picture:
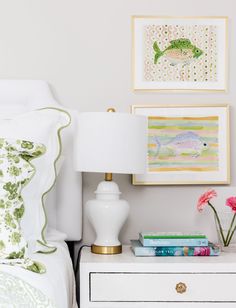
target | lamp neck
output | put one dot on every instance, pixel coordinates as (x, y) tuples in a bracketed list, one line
[(108, 177)]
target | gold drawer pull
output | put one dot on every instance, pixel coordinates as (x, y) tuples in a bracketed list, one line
[(181, 287)]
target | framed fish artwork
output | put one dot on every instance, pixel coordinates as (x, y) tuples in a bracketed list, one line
[(179, 53), (187, 144)]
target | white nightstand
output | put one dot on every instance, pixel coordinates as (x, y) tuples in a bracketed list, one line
[(126, 281)]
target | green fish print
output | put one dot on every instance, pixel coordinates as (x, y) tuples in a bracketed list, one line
[(180, 51)]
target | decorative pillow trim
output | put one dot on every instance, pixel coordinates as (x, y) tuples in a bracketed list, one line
[(48, 248), (43, 246)]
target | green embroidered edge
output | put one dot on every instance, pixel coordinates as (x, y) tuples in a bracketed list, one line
[(43, 242)]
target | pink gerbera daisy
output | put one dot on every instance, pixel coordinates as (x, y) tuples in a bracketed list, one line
[(231, 202), (205, 198)]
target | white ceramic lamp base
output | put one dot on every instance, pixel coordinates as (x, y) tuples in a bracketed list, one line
[(107, 214)]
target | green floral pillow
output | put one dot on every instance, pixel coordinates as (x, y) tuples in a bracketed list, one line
[(44, 126), (16, 171)]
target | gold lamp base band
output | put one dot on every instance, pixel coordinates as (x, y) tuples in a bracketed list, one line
[(106, 250)]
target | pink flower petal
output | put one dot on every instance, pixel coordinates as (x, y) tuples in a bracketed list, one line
[(203, 200), (231, 202)]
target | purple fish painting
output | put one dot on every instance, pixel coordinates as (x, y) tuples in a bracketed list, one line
[(183, 144), (187, 143)]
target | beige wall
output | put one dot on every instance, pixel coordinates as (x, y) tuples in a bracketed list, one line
[(83, 48)]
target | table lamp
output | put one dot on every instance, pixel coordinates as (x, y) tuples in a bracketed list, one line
[(109, 142)]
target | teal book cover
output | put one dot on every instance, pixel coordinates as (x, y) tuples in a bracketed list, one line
[(141, 251)]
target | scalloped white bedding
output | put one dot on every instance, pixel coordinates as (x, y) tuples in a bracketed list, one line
[(55, 288), (24, 111)]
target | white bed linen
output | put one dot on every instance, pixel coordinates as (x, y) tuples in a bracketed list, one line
[(58, 283)]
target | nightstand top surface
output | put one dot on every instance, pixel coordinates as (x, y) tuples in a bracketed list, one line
[(224, 262)]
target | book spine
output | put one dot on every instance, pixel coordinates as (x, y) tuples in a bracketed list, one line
[(173, 242), (175, 251)]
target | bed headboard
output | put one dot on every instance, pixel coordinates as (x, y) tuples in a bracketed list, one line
[(64, 203)]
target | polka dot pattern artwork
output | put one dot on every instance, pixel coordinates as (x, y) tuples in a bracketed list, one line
[(200, 69), (180, 53)]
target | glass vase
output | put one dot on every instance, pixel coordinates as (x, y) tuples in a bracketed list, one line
[(227, 222)]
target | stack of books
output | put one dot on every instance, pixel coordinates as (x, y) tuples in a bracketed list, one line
[(173, 244)]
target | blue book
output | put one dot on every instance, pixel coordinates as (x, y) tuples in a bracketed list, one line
[(170, 242), (141, 251)]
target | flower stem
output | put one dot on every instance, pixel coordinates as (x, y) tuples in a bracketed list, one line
[(229, 236), (218, 221)]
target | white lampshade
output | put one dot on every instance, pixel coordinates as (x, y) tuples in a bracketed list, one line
[(111, 142)]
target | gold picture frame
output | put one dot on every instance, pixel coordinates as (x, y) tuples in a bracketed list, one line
[(187, 144), (180, 54)]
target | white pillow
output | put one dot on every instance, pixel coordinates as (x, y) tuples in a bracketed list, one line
[(39, 126)]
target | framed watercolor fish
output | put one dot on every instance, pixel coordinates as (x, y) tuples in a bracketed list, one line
[(180, 51), (184, 144)]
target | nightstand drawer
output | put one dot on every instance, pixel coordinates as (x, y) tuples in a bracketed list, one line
[(162, 287)]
